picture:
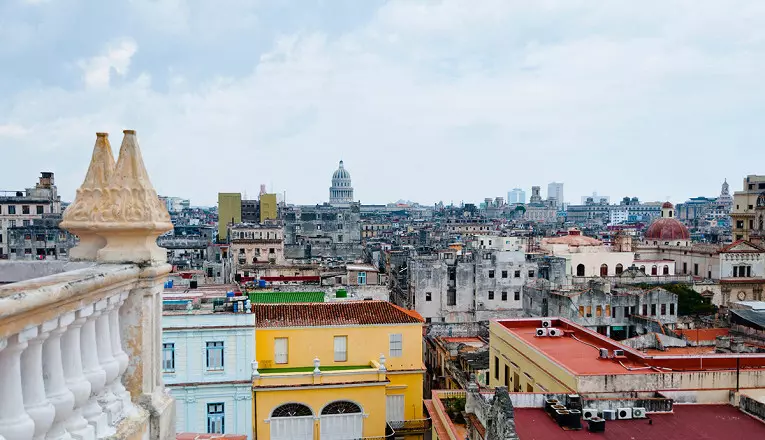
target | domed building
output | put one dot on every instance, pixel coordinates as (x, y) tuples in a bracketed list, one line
[(667, 230), (341, 191)]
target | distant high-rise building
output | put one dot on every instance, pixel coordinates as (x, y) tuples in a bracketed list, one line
[(596, 199), (555, 193), (268, 207), (229, 211), (516, 195)]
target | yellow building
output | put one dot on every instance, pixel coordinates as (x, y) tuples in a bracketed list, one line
[(229, 212), (268, 207), (337, 370)]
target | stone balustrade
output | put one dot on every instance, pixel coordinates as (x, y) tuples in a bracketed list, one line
[(80, 350)]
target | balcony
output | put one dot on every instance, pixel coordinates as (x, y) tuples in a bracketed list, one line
[(410, 427), (80, 349)]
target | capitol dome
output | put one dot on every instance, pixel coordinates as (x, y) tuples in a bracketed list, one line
[(667, 229), (341, 191)]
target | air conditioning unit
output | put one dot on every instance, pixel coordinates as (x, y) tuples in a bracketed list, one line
[(555, 332), (596, 424), (541, 332), (589, 413), (603, 353), (623, 413), (618, 353), (547, 323), (609, 414), (638, 413)]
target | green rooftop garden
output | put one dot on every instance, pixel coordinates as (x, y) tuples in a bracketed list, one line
[(285, 297), (310, 369)]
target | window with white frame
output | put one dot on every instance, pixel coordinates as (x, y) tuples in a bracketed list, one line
[(341, 348), (281, 350), (216, 418), (362, 278), (396, 347), (168, 356), (215, 355)]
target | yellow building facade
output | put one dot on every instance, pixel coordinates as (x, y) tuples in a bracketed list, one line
[(337, 371), (268, 207), (229, 212)]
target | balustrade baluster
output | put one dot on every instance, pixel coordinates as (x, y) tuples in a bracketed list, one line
[(36, 403), (108, 400), (94, 373), (15, 423), (119, 354), (77, 425), (55, 384)]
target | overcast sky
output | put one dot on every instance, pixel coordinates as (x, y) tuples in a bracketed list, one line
[(423, 100)]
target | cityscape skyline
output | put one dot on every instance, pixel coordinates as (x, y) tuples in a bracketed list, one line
[(220, 102)]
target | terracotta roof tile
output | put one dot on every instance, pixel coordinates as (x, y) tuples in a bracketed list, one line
[(333, 313)]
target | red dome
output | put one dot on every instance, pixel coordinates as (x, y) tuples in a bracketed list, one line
[(667, 229), (667, 205)]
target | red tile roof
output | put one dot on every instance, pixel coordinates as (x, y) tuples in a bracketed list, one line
[(692, 422), (332, 313)]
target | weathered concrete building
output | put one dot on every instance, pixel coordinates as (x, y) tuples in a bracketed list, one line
[(485, 284), (255, 245), (188, 247), (617, 312), (322, 231), (20, 208), (42, 239)]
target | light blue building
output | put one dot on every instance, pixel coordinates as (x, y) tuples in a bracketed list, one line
[(206, 363)]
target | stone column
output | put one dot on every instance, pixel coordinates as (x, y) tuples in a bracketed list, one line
[(55, 384), (76, 381), (15, 423), (36, 402)]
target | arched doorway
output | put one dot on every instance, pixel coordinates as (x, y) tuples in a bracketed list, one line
[(580, 270), (292, 421), (341, 420), (665, 271), (619, 269), (604, 270), (654, 270)]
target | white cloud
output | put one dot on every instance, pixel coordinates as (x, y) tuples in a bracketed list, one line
[(12, 130), (97, 71)]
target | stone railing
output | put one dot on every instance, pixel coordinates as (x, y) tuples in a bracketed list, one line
[(80, 349)]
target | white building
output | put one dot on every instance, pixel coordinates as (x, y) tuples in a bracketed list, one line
[(341, 191), (206, 365), (516, 195), (555, 193), (618, 215)]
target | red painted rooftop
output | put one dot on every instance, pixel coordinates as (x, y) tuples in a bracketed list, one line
[(691, 422), (332, 313), (577, 351)]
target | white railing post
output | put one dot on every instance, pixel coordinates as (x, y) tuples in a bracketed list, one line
[(107, 399), (77, 425), (55, 384), (93, 372), (15, 423), (36, 402), (119, 354)]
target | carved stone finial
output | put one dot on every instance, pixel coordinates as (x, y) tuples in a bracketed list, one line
[(80, 218), (132, 216)]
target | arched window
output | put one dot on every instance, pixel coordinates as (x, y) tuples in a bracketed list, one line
[(292, 410), (654, 270), (604, 270), (642, 269), (619, 269), (665, 271), (341, 407), (580, 270)]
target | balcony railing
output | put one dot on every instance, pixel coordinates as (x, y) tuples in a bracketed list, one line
[(407, 427), (317, 375), (80, 350)]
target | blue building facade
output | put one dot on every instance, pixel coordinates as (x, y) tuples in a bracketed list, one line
[(206, 364)]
